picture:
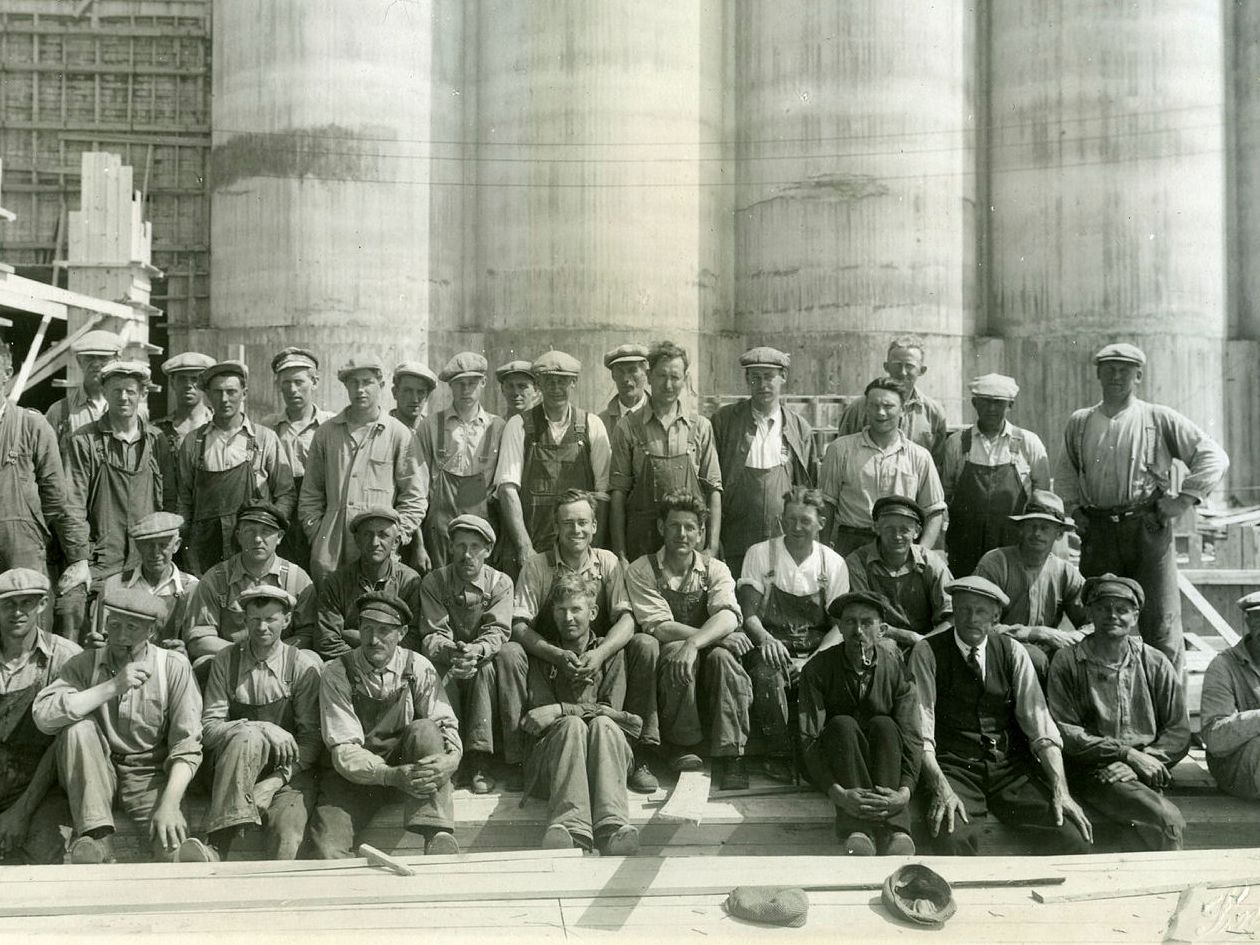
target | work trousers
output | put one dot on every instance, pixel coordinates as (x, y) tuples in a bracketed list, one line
[(581, 766), (1238, 773), (774, 702), (717, 699), (44, 844), (1150, 820), (641, 656), (1140, 549), (1014, 793), (93, 781), (234, 798), (344, 808), (852, 756), (475, 702)]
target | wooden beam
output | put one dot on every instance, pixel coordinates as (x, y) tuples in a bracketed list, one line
[(1207, 611), (1155, 889), (686, 802), (28, 364), (1220, 576), (42, 291)]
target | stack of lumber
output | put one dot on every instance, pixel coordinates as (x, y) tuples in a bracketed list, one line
[(562, 896)]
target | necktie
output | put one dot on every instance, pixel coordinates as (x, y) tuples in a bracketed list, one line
[(973, 663)]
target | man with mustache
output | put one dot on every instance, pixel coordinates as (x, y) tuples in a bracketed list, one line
[(628, 365)]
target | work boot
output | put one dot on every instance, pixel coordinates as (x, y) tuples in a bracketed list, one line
[(898, 843), (92, 849), (193, 850), (441, 843), (732, 774), (641, 779), (859, 844), (779, 769), (624, 841), (557, 837), (682, 759), (480, 781), (514, 780)]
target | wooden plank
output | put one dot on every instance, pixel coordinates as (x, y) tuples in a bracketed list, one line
[(28, 363), (1208, 612), (1152, 889), (1222, 576), (689, 798), (29, 288)]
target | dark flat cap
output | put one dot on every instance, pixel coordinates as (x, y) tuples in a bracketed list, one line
[(265, 514), (1112, 585), (898, 505), (836, 608), (384, 608)]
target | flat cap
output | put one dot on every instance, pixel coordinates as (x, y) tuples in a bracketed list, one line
[(137, 369), (220, 368), (995, 387), (97, 342), (623, 353), (361, 362), (464, 364), (156, 525), (1044, 506), (836, 608), (557, 362), (766, 357), (385, 608), (266, 592), (294, 357), (263, 513), (22, 582), (376, 511), (1121, 352), (898, 505), (416, 369), (1245, 603), (133, 601), (473, 523), (974, 584), (514, 367), (187, 361), (1112, 585)]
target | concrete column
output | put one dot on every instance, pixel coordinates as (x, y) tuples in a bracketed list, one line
[(854, 214), (1108, 200)]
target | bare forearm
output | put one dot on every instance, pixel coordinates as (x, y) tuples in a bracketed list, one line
[(715, 520), (932, 530), (617, 637), (177, 781), (510, 499), (1051, 759), (534, 644)]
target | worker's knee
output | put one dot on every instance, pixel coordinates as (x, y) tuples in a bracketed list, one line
[(512, 656), (421, 738)]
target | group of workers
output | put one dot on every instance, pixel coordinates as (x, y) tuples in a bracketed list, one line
[(348, 610)]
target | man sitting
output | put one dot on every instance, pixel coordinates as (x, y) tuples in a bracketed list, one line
[(32, 808), (583, 753), (128, 716), (1122, 712), (377, 535), (984, 722), (686, 600), (466, 609), (392, 735), (261, 721), (861, 730), (1230, 709)]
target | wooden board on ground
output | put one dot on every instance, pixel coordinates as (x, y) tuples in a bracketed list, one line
[(689, 798)]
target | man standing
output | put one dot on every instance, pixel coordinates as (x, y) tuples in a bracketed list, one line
[(686, 599), (392, 735), (460, 448), (414, 383), (128, 717), (261, 723), (1230, 709), (225, 465), (988, 472), (546, 451), (861, 731), (984, 722), (879, 461), (85, 403), (360, 459), (658, 450), (516, 384), (1122, 712), (375, 570), (764, 450), (1114, 476), (182, 373), (922, 419), (628, 365), (296, 371), (32, 808)]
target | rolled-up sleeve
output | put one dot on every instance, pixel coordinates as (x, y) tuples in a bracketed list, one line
[(511, 454), (343, 732), (1207, 461), (649, 606), (205, 611), (756, 568), (1031, 710), (618, 597), (721, 589), (183, 733), (930, 495), (708, 470), (923, 671), (216, 728), (531, 588), (601, 451), (49, 711)]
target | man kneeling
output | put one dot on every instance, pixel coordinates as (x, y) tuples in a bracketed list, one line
[(392, 734), (583, 754), (261, 721)]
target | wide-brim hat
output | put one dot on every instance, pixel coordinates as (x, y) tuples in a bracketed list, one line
[(1044, 506)]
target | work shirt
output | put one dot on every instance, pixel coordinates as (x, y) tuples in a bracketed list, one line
[(176, 430), (42, 661), (766, 449), (215, 610), (413, 427), (33, 483), (646, 433), (175, 586), (538, 575), (922, 421), (1041, 596), (930, 565), (225, 450), (1230, 705), (491, 590), (856, 472), (342, 729), (75, 410), (1030, 705), (466, 437), (831, 686), (160, 718), (261, 682), (1010, 446), (651, 609), (512, 449), (769, 563), (338, 608), (602, 693), (1127, 459), (1104, 710), (295, 435), (611, 414)]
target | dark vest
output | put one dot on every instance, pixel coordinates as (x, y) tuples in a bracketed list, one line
[(973, 721)]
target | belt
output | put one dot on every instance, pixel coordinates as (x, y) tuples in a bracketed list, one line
[(1120, 513)]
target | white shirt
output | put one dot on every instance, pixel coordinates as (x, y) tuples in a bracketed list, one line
[(768, 562), (766, 450), (512, 449), (981, 653)]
